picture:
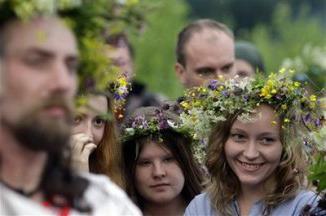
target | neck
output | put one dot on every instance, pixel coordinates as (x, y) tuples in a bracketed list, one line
[(20, 168), (248, 196), (175, 207)]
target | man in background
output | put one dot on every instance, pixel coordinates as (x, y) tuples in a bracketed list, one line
[(204, 51), (122, 55)]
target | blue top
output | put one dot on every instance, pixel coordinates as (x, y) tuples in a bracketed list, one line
[(201, 205)]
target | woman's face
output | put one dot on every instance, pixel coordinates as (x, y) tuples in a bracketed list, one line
[(158, 177), (253, 149), (89, 119)]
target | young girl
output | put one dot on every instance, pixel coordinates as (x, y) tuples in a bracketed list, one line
[(94, 141), (158, 164), (255, 153)]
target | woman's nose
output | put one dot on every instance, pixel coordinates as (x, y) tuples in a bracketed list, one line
[(251, 152)]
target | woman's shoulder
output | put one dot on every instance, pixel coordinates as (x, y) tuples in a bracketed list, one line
[(200, 205), (296, 205)]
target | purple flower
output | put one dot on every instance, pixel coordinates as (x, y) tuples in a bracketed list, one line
[(163, 124), (212, 84), (225, 93), (245, 97), (278, 96), (307, 118), (116, 96), (317, 122), (139, 122)]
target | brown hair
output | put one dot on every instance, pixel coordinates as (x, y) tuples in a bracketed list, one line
[(225, 184), (106, 159), (195, 27), (180, 147)]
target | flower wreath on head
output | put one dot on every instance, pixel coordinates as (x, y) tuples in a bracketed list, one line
[(203, 107), (148, 121), (89, 20)]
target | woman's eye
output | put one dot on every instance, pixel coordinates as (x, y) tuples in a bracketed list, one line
[(77, 120), (99, 122), (143, 163), (238, 137), (267, 140), (169, 159)]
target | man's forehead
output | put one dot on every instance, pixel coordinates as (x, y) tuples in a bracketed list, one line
[(43, 33), (208, 35)]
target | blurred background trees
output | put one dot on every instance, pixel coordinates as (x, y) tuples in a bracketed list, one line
[(281, 29)]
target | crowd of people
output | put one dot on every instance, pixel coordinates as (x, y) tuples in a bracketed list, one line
[(236, 143)]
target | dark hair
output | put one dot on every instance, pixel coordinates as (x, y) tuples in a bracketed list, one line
[(195, 27), (249, 53), (180, 147), (119, 40)]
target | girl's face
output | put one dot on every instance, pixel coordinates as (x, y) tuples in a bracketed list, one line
[(253, 149), (158, 177), (89, 121)]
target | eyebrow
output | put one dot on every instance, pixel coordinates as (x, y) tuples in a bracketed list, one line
[(50, 54), (204, 68), (230, 64), (261, 134)]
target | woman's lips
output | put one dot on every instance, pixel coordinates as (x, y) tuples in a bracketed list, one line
[(250, 166), (160, 185)]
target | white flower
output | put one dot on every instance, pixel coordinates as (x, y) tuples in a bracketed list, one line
[(172, 124), (130, 131)]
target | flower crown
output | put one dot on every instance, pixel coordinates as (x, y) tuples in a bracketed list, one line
[(149, 121), (205, 106), (89, 20)]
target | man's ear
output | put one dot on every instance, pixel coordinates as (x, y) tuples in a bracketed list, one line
[(180, 71)]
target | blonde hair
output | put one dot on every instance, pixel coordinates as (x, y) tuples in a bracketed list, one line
[(225, 185)]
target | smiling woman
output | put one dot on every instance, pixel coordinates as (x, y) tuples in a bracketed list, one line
[(258, 146)]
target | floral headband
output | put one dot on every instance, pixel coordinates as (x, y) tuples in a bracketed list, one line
[(89, 20), (151, 120), (203, 107)]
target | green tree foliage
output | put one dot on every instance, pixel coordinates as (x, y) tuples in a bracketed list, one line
[(154, 48), (286, 37)]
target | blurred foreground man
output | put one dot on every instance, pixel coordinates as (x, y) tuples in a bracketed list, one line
[(205, 51), (39, 60)]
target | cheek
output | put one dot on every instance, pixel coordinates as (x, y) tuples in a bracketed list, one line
[(275, 154), (77, 129), (178, 175), (141, 177), (230, 149), (98, 135)]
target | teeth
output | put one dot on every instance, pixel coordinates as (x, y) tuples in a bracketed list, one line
[(250, 166)]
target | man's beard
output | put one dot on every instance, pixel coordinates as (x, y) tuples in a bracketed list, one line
[(39, 133)]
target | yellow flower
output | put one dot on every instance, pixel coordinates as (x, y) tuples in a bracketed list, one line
[(274, 123), (274, 91), (284, 106), (282, 71), (184, 104), (197, 103), (297, 84), (122, 81), (286, 120), (313, 98)]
